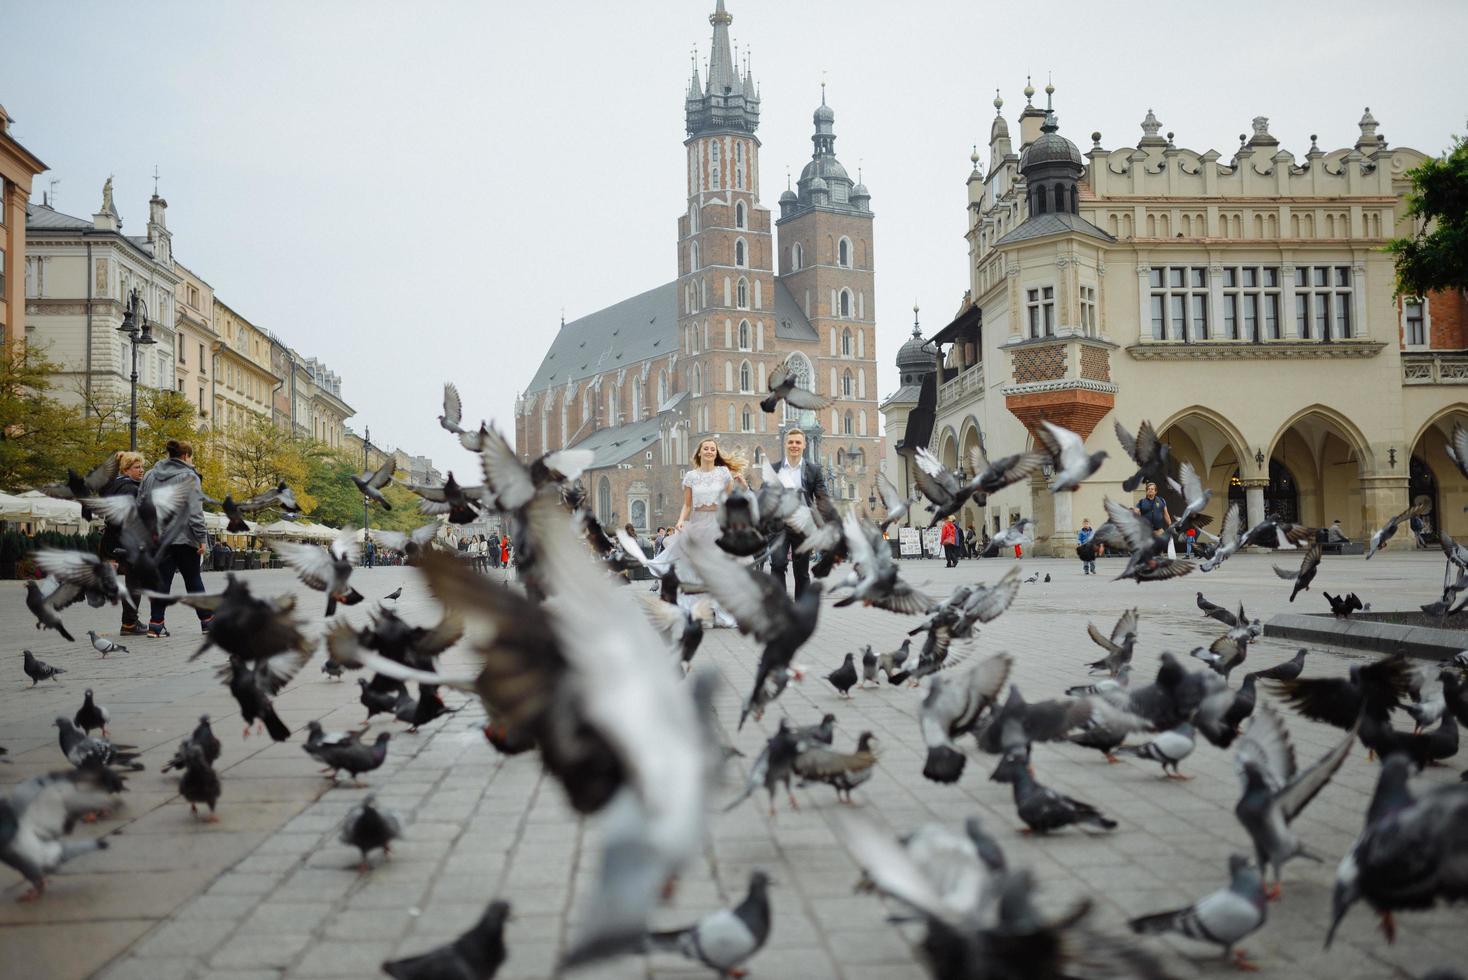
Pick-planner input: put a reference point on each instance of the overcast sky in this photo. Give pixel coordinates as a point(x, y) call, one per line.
point(414, 191)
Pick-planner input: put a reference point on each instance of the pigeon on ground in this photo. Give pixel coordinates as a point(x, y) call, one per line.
point(1228, 540)
point(476, 955)
point(1169, 748)
point(783, 386)
point(1286, 671)
point(39, 670)
point(1341, 606)
point(1214, 611)
point(774, 764)
point(370, 483)
point(91, 715)
point(889, 663)
point(844, 678)
point(44, 599)
point(1427, 692)
point(1032, 579)
point(394, 595)
point(368, 828)
point(1068, 455)
point(932, 658)
point(1422, 747)
point(36, 813)
point(199, 783)
point(1388, 530)
point(1242, 706)
point(1118, 646)
point(428, 707)
point(326, 569)
point(378, 702)
point(354, 757)
point(1410, 852)
point(842, 771)
point(1222, 918)
point(762, 608)
point(954, 707)
point(103, 645)
point(1043, 809)
point(1306, 572)
point(85, 751)
point(1047, 577)
point(869, 666)
point(1151, 455)
point(332, 669)
point(1105, 686)
point(727, 938)
point(1274, 792)
point(202, 736)
point(1227, 652)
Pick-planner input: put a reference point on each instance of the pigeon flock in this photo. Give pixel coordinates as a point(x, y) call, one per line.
point(601, 680)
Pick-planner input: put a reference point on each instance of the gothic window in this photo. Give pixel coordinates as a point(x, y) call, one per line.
point(739, 165)
point(846, 343)
point(759, 455)
point(746, 381)
point(693, 257)
point(840, 457)
point(846, 384)
point(1059, 198)
point(744, 335)
point(611, 406)
point(714, 165)
point(698, 379)
point(636, 401)
point(845, 303)
point(586, 407)
point(662, 388)
point(741, 298)
point(739, 253)
point(739, 215)
point(804, 378)
point(746, 420)
point(843, 253)
point(604, 501)
point(797, 257)
point(846, 423)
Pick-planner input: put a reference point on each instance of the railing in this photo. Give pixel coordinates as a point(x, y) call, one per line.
point(1427, 368)
point(969, 384)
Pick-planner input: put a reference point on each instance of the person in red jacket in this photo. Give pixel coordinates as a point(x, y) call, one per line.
point(948, 537)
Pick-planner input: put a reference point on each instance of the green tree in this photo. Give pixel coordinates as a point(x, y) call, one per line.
point(39, 435)
point(165, 415)
point(339, 503)
point(1436, 257)
point(260, 455)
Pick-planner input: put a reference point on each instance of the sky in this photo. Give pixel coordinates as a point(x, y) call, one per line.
point(414, 193)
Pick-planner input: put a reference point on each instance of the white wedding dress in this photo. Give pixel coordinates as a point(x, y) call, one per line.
point(707, 488)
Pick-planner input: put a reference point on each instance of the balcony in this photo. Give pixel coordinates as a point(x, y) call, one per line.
point(1435, 368)
point(969, 385)
point(1064, 379)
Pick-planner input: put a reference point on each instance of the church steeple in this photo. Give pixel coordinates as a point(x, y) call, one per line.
point(824, 182)
point(730, 101)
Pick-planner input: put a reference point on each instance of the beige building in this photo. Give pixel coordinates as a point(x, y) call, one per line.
point(1243, 304)
point(79, 276)
point(244, 383)
point(17, 167)
point(193, 366)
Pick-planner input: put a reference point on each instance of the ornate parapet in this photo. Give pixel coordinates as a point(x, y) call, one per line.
point(1065, 380)
point(1216, 350)
point(1435, 368)
point(968, 385)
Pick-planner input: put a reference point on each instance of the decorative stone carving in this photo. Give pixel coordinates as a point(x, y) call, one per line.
point(1209, 350)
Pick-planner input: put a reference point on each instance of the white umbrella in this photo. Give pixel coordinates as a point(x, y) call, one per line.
point(49, 508)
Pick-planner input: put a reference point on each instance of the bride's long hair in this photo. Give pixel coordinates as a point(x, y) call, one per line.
point(735, 465)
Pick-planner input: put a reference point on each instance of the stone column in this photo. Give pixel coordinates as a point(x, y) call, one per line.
point(1144, 303)
point(1383, 496)
point(1062, 533)
point(1253, 502)
point(1288, 328)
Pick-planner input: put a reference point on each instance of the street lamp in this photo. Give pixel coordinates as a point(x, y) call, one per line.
point(135, 324)
point(366, 500)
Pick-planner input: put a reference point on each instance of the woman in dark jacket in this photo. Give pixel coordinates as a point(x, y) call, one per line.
point(182, 557)
point(125, 484)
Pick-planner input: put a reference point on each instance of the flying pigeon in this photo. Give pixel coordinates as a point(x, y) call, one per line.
point(370, 483)
point(1151, 455)
point(894, 505)
point(955, 707)
point(1306, 572)
point(1386, 531)
point(453, 410)
point(1118, 646)
point(1341, 606)
point(1228, 540)
point(81, 488)
point(44, 599)
point(1068, 453)
point(784, 386)
point(326, 569)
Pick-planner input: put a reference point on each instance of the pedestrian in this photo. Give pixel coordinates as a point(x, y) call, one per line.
point(1153, 510)
point(184, 554)
point(948, 538)
point(632, 533)
point(1085, 548)
point(1335, 535)
point(971, 541)
point(505, 551)
point(658, 541)
point(797, 473)
point(371, 553)
point(125, 484)
point(1189, 537)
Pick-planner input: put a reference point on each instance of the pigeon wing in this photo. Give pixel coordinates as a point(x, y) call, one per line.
point(805, 399)
point(1266, 745)
point(756, 601)
point(985, 605)
point(453, 407)
point(504, 473)
point(311, 563)
point(1127, 440)
point(1135, 530)
point(1298, 794)
point(1127, 624)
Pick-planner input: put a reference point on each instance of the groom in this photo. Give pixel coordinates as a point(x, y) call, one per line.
point(803, 476)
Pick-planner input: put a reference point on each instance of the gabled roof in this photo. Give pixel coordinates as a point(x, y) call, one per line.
point(638, 329)
point(619, 443)
point(1040, 225)
point(43, 217)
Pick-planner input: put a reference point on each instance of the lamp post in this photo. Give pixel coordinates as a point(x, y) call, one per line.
point(366, 500)
point(135, 324)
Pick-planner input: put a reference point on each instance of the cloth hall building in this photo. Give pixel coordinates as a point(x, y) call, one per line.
point(1241, 302)
point(641, 382)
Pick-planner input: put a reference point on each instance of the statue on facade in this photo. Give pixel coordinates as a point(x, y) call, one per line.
point(107, 206)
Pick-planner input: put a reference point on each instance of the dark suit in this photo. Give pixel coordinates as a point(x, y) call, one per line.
point(813, 493)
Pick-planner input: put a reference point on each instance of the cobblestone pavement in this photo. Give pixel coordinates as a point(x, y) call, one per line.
point(269, 892)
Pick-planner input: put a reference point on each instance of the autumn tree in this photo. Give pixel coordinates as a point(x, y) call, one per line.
point(39, 435)
point(1436, 257)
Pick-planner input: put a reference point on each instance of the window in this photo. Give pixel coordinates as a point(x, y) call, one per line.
point(797, 257)
point(662, 388)
point(746, 420)
point(843, 254)
point(846, 424)
point(1089, 325)
point(739, 214)
point(739, 165)
point(745, 379)
point(1040, 311)
point(1179, 303)
point(739, 255)
point(741, 297)
point(182, 351)
point(693, 257)
point(846, 384)
point(1323, 302)
point(1416, 325)
point(714, 164)
point(759, 456)
point(800, 365)
point(744, 335)
point(846, 343)
point(697, 379)
point(845, 302)
point(1250, 304)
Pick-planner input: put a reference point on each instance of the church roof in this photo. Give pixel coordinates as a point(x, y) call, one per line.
point(1040, 225)
point(621, 442)
point(640, 328)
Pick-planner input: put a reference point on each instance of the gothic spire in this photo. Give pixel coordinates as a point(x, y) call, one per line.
point(722, 74)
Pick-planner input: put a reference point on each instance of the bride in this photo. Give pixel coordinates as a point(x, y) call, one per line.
point(711, 477)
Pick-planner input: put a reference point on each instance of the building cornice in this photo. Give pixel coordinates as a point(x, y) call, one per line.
point(1214, 350)
point(1059, 384)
